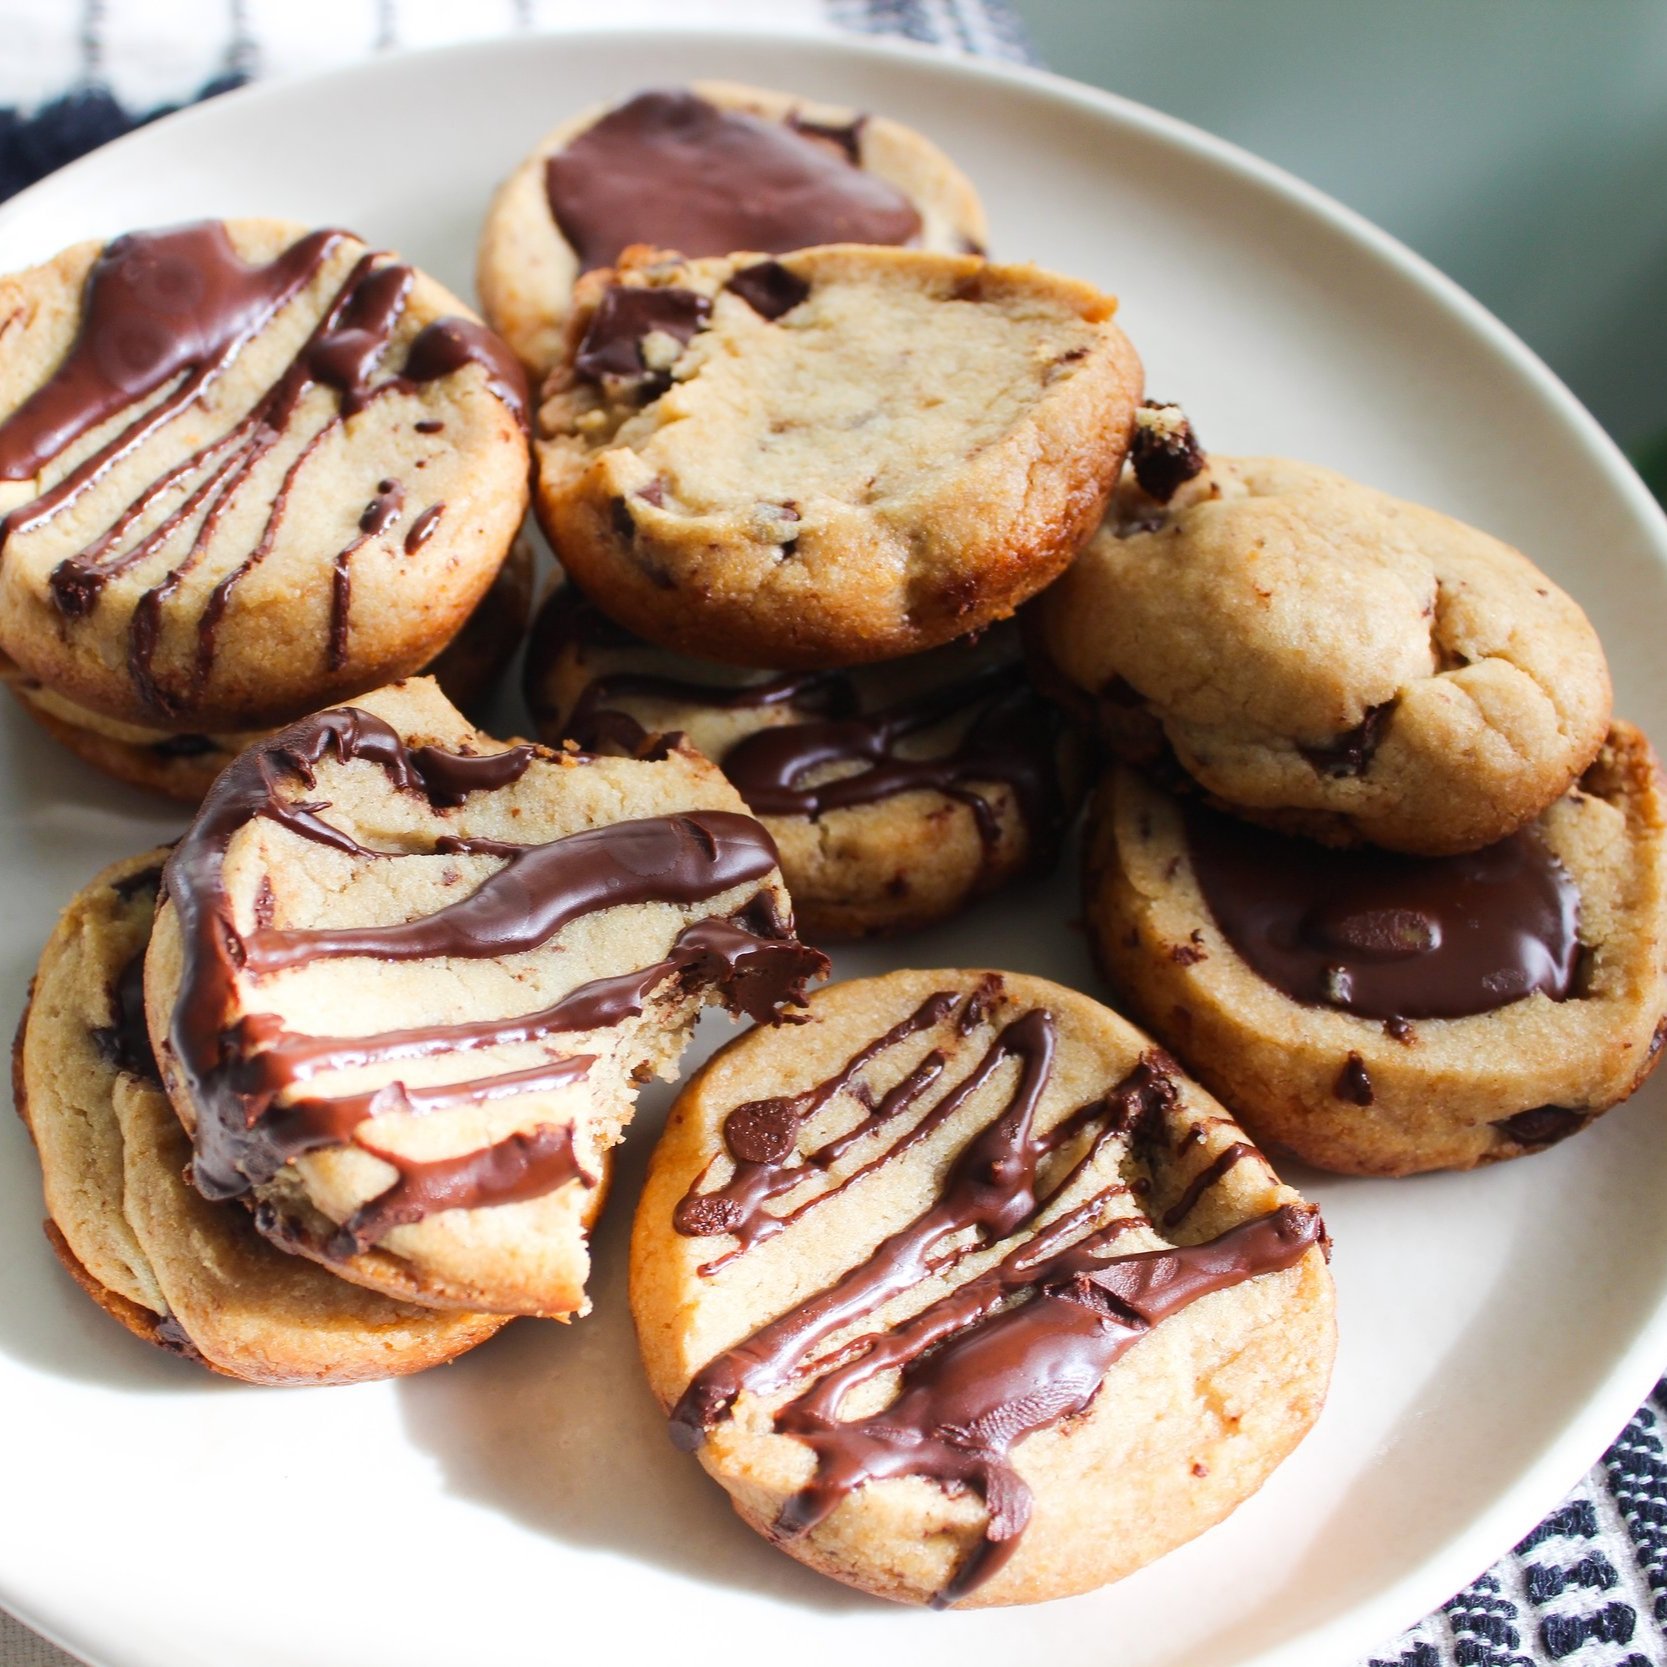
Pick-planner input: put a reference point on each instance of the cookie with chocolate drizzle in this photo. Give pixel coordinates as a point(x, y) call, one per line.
point(707, 169)
point(245, 469)
point(406, 980)
point(191, 1276)
point(1320, 657)
point(182, 765)
point(895, 793)
point(831, 457)
point(1382, 1014)
point(967, 1295)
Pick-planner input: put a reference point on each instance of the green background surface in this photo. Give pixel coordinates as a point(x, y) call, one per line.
point(1520, 145)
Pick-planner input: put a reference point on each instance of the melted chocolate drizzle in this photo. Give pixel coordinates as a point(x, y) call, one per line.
point(177, 306)
point(669, 169)
point(962, 1407)
point(242, 1074)
point(1011, 1351)
point(1011, 739)
point(523, 1165)
point(1388, 936)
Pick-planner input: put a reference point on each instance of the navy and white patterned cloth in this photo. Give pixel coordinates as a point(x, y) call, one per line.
point(1588, 1588)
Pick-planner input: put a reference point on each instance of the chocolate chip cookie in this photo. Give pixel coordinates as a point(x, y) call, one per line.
point(191, 1276)
point(406, 980)
point(245, 469)
point(1327, 659)
point(710, 169)
point(182, 765)
point(895, 793)
point(847, 454)
point(967, 1295)
point(1382, 1014)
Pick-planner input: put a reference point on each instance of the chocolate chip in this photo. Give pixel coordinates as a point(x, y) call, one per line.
point(761, 1132)
point(1353, 1083)
point(183, 746)
point(1189, 954)
point(1542, 1125)
point(613, 340)
point(699, 1218)
point(1351, 752)
point(1164, 452)
point(769, 288)
point(1398, 1030)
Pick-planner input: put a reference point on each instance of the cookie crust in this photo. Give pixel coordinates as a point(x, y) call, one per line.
point(449, 980)
point(183, 767)
point(302, 510)
point(956, 776)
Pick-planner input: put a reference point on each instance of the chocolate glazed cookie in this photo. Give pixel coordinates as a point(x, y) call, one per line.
point(244, 469)
point(839, 456)
point(188, 1275)
point(894, 793)
point(706, 170)
point(407, 979)
point(183, 765)
point(968, 1296)
point(1380, 1014)
point(1320, 657)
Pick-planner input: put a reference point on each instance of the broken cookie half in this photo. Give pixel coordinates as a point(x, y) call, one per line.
point(406, 979)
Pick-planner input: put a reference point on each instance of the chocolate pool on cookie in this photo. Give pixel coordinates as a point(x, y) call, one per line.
point(707, 170)
point(1384, 1014)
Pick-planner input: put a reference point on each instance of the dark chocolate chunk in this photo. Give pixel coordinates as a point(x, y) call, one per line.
point(1542, 1125)
point(612, 344)
point(769, 288)
point(1350, 754)
point(1165, 455)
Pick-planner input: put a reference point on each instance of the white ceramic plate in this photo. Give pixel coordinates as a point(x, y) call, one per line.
point(525, 1505)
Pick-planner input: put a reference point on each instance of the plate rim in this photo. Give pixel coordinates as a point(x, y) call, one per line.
point(1633, 1373)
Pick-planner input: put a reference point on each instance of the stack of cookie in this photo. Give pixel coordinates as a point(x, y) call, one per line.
point(1378, 863)
point(843, 465)
point(890, 1269)
point(245, 470)
point(392, 992)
